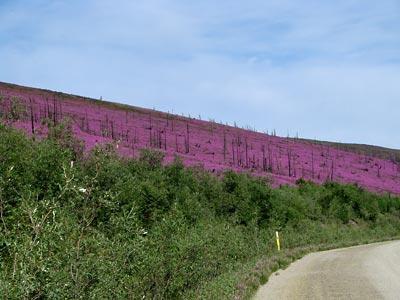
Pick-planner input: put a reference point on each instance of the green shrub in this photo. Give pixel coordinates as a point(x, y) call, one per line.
point(108, 227)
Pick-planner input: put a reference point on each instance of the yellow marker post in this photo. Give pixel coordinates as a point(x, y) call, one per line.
point(278, 244)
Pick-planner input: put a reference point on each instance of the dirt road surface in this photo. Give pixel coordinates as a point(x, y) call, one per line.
point(362, 272)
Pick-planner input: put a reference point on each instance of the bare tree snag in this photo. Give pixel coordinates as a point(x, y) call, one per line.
point(32, 118)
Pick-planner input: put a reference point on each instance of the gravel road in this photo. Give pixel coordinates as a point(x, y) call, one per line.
point(362, 272)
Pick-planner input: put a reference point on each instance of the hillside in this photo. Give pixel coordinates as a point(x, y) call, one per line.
point(215, 146)
point(369, 150)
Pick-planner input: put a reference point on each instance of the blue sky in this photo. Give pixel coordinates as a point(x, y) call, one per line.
point(325, 69)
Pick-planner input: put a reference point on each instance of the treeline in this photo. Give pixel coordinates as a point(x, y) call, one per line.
point(98, 226)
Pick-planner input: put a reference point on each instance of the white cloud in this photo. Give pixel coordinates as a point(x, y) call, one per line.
point(324, 69)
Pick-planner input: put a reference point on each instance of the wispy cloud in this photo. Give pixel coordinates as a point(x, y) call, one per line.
point(324, 69)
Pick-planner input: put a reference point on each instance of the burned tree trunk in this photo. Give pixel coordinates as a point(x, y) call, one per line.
point(187, 138)
point(289, 154)
point(224, 145)
point(233, 152)
point(264, 164)
point(312, 163)
point(247, 156)
point(32, 117)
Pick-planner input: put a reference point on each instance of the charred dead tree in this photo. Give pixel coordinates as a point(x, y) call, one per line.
point(125, 137)
point(1, 103)
point(233, 152)
point(264, 159)
point(106, 127)
point(135, 138)
point(32, 117)
point(60, 111)
point(150, 132)
point(154, 141)
point(270, 164)
point(48, 114)
point(312, 162)
point(187, 140)
point(238, 152)
point(87, 123)
point(167, 118)
point(289, 158)
point(165, 138)
point(159, 137)
point(55, 119)
point(224, 145)
point(133, 147)
point(294, 166)
point(247, 155)
point(112, 130)
point(278, 165)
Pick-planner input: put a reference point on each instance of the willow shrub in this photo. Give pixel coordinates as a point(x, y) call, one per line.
point(111, 227)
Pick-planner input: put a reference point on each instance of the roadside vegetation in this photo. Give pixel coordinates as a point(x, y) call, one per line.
point(98, 226)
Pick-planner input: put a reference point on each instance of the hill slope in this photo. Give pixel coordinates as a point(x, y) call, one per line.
point(215, 146)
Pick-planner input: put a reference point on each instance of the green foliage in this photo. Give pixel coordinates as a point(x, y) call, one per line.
point(151, 159)
point(109, 227)
point(62, 135)
point(17, 110)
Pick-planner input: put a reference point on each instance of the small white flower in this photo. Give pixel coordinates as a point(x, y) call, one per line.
point(83, 190)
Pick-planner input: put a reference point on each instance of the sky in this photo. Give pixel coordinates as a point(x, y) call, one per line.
point(328, 70)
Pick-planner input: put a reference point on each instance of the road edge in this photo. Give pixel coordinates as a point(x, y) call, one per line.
point(268, 265)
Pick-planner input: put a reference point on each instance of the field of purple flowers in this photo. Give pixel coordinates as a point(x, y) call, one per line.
point(214, 146)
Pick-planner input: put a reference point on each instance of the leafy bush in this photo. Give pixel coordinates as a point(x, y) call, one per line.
point(109, 227)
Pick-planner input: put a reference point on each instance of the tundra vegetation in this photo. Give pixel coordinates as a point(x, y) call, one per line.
point(97, 225)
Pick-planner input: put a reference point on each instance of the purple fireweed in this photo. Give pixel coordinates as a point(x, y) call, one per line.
point(215, 147)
